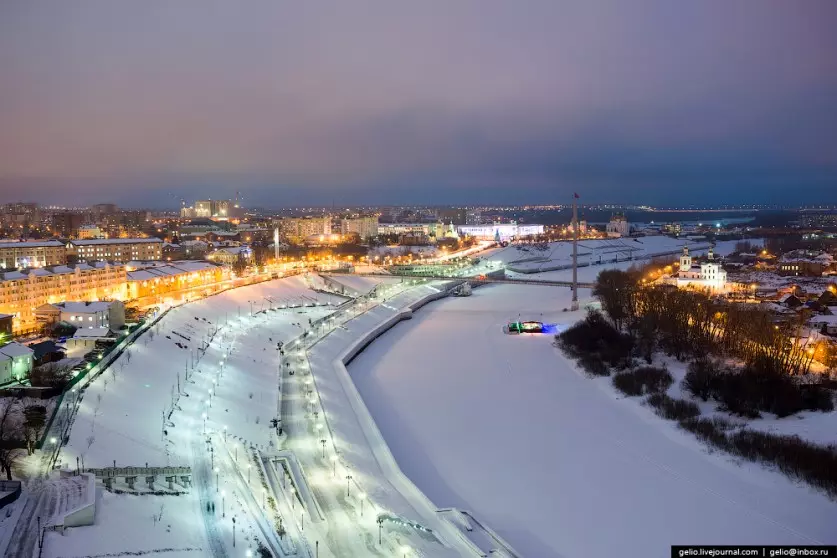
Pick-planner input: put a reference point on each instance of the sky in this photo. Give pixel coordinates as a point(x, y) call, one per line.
point(149, 103)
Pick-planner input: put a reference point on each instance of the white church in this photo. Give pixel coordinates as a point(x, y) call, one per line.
point(707, 275)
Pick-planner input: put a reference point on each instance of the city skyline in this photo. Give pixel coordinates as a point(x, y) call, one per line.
point(313, 105)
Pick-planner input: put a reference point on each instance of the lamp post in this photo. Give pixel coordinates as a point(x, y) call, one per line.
point(380, 529)
point(334, 462)
point(361, 497)
point(217, 470)
point(249, 467)
point(323, 442)
point(348, 483)
point(223, 503)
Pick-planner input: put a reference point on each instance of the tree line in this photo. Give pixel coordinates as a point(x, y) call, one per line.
point(692, 324)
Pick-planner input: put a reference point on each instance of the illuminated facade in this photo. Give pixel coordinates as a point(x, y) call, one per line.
point(32, 254)
point(364, 227)
point(502, 231)
point(21, 292)
point(707, 275)
point(297, 229)
point(116, 249)
point(160, 280)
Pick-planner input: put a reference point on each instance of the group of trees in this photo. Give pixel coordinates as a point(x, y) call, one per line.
point(686, 323)
point(21, 423)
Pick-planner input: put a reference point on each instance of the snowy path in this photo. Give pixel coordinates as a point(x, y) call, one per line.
point(348, 452)
point(45, 500)
point(584, 473)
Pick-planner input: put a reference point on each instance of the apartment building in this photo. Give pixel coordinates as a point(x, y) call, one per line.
point(21, 292)
point(36, 253)
point(116, 249)
point(297, 229)
point(364, 227)
point(162, 279)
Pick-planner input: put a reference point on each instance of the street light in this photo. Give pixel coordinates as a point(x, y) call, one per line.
point(348, 483)
point(217, 470)
point(223, 503)
point(334, 461)
point(405, 550)
point(361, 496)
point(323, 442)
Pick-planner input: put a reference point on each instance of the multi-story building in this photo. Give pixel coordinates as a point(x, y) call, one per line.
point(19, 215)
point(453, 216)
point(102, 313)
point(21, 292)
point(364, 227)
point(427, 229)
point(116, 249)
point(67, 223)
point(89, 231)
point(125, 223)
point(500, 231)
point(473, 217)
point(209, 209)
point(36, 253)
point(159, 280)
point(806, 264)
point(230, 255)
point(297, 229)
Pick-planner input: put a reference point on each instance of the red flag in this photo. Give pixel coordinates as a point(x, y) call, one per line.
point(575, 195)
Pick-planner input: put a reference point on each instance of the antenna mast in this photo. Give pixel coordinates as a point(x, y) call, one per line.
point(574, 305)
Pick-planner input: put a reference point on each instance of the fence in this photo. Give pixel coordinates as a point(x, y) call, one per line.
point(13, 489)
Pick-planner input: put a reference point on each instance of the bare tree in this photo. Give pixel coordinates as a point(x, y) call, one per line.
point(10, 433)
point(34, 421)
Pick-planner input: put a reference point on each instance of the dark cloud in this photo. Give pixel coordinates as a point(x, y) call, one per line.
point(490, 101)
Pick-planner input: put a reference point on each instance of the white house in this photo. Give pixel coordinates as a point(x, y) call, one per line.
point(707, 275)
point(110, 314)
point(16, 362)
point(85, 339)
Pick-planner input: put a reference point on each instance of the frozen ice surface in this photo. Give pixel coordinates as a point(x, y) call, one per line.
point(555, 462)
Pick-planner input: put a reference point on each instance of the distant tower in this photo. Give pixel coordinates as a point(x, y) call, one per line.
point(685, 259)
point(276, 244)
point(574, 305)
point(711, 254)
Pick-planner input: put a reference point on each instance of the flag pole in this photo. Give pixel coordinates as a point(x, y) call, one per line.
point(574, 305)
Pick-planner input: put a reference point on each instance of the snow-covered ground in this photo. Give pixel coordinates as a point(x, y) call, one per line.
point(128, 523)
point(122, 410)
point(607, 251)
point(359, 285)
point(557, 463)
point(120, 418)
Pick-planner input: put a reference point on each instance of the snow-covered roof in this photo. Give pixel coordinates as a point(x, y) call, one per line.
point(31, 244)
point(93, 332)
point(84, 307)
point(61, 269)
point(15, 350)
point(170, 270)
point(141, 275)
point(824, 319)
point(103, 241)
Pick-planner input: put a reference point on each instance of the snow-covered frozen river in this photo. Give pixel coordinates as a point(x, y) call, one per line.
point(505, 427)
